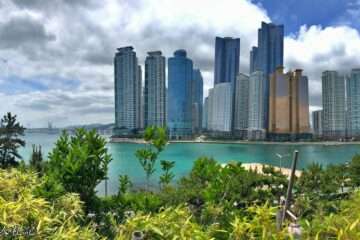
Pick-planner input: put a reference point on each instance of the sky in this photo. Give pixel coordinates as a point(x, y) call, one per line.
point(56, 57)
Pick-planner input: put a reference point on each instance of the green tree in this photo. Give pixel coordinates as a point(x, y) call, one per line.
point(36, 160)
point(124, 184)
point(156, 140)
point(354, 171)
point(11, 132)
point(310, 181)
point(79, 163)
point(168, 176)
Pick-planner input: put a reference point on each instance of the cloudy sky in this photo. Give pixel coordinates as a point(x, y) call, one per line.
point(56, 55)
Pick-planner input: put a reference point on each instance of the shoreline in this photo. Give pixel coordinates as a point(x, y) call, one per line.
point(243, 142)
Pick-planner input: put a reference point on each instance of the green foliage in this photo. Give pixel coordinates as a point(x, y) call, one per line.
point(36, 160)
point(171, 223)
point(26, 213)
point(124, 184)
point(79, 163)
point(10, 140)
point(259, 223)
point(354, 172)
point(344, 225)
point(231, 185)
point(168, 176)
point(156, 140)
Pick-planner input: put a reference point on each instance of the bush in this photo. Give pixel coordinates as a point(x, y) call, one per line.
point(24, 215)
point(79, 163)
point(171, 223)
point(344, 225)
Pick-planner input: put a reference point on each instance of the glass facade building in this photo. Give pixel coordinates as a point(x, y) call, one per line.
point(256, 118)
point(317, 123)
point(353, 103)
point(227, 57)
point(220, 108)
point(333, 100)
point(241, 105)
point(127, 75)
point(155, 90)
point(197, 100)
point(268, 55)
point(179, 114)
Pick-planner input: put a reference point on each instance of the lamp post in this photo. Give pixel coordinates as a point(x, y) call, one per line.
point(280, 158)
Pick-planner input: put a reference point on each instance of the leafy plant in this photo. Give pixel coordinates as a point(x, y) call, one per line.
point(79, 163)
point(258, 224)
point(10, 140)
point(168, 176)
point(170, 223)
point(124, 184)
point(354, 171)
point(344, 225)
point(156, 140)
point(23, 215)
point(36, 160)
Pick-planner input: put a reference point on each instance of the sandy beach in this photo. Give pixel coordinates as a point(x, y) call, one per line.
point(258, 167)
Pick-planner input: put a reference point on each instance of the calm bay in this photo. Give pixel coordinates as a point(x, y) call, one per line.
point(184, 154)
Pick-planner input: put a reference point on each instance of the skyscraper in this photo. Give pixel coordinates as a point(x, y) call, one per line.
point(205, 113)
point(227, 53)
point(333, 100)
point(197, 100)
point(317, 123)
point(210, 106)
point(353, 103)
point(256, 122)
point(227, 58)
point(289, 105)
point(254, 60)
point(220, 108)
point(241, 105)
point(268, 55)
point(127, 75)
point(155, 90)
point(180, 75)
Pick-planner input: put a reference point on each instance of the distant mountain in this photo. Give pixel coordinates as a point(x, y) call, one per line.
point(97, 126)
point(102, 128)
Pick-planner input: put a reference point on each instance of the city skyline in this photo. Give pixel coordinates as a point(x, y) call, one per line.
point(61, 72)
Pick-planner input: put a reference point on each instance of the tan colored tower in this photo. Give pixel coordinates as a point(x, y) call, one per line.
point(288, 103)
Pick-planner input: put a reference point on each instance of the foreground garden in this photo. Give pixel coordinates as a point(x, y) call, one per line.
point(56, 199)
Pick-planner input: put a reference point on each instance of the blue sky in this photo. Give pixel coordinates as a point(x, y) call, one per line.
point(295, 13)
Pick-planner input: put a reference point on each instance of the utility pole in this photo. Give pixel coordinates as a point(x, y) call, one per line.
point(284, 209)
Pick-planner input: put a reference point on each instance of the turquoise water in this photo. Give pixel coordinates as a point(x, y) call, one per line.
point(184, 154)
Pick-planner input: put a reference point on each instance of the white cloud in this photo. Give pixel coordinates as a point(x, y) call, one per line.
point(84, 38)
point(316, 49)
point(79, 39)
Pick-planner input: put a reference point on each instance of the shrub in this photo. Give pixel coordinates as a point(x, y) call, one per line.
point(24, 215)
point(171, 223)
point(79, 163)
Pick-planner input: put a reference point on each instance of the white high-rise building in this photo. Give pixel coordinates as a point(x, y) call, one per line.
point(155, 90)
point(353, 103)
point(333, 100)
point(220, 107)
point(241, 105)
point(257, 101)
point(127, 91)
point(317, 123)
